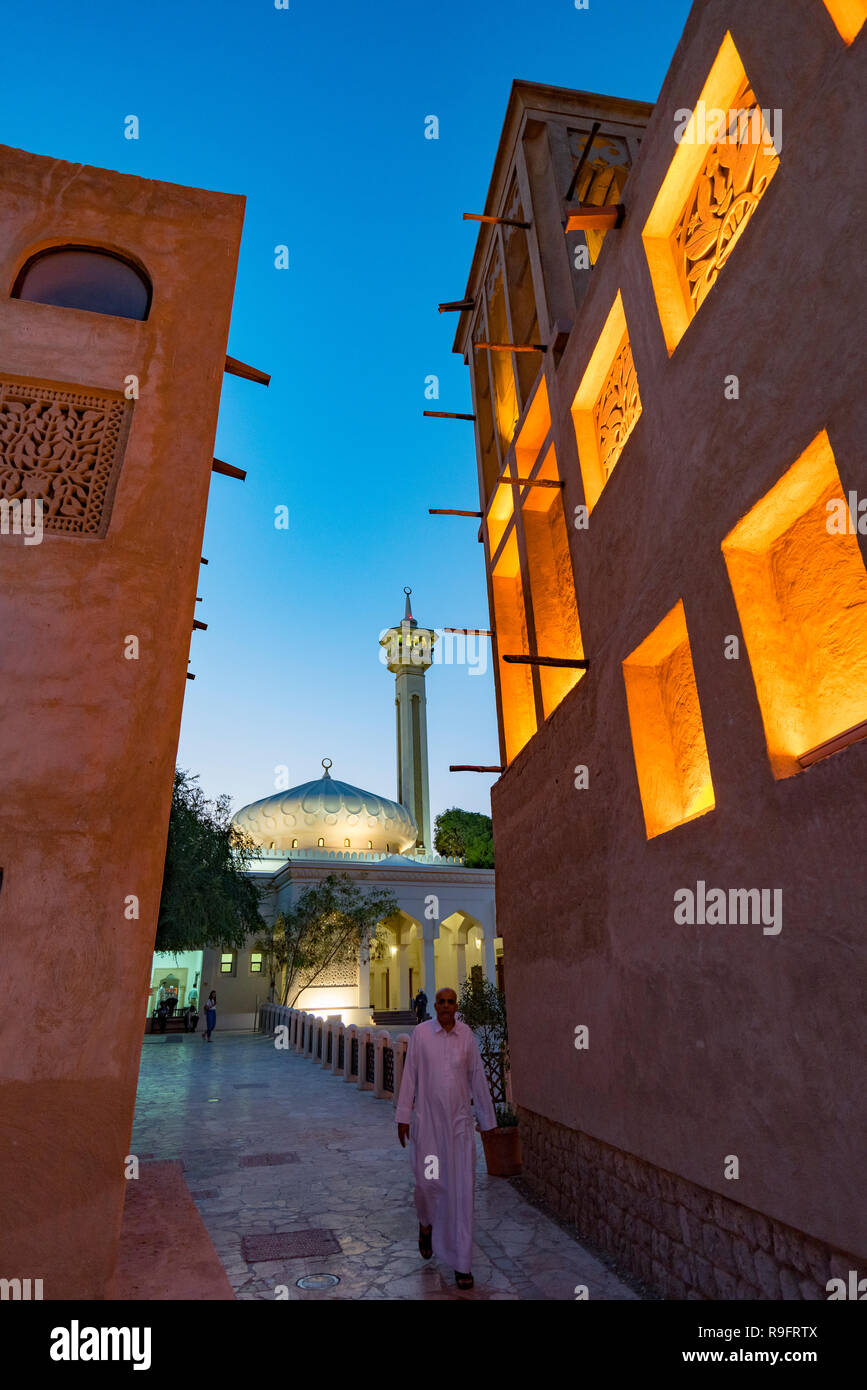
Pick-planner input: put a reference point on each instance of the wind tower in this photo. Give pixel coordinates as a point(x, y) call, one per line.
point(409, 651)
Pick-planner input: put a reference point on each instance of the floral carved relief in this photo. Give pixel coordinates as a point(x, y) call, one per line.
point(65, 448)
point(617, 408)
point(733, 178)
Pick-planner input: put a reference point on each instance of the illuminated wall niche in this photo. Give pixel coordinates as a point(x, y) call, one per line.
point(602, 178)
point(848, 15)
point(722, 168)
point(667, 732)
point(606, 405)
point(510, 622)
point(801, 595)
point(552, 584)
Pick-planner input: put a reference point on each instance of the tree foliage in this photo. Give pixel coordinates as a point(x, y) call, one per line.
point(483, 1009)
point(329, 924)
point(469, 834)
point(207, 898)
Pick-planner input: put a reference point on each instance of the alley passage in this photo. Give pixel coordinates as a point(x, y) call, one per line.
point(238, 1098)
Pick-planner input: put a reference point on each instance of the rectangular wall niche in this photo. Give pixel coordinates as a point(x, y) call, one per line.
point(848, 15)
point(552, 585)
point(606, 405)
point(667, 731)
point(723, 165)
point(510, 623)
point(801, 592)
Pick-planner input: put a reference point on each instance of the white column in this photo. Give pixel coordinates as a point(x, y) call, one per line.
point(430, 983)
point(402, 976)
point(461, 951)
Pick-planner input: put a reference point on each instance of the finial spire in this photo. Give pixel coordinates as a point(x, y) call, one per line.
point(327, 763)
point(408, 613)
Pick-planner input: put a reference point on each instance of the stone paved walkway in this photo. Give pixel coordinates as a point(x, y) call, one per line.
point(213, 1104)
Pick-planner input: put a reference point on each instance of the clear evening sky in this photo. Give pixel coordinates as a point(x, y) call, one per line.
point(317, 114)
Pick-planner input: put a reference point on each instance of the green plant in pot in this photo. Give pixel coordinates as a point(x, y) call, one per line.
point(483, 1008)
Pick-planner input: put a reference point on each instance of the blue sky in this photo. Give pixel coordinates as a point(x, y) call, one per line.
point(316, 114)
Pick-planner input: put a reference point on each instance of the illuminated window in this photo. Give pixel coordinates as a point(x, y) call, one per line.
point(85, 277)
point(294, 844)
point(370, 844)
point(321, 843)
point(227, 963)
point(667, 732)
point(346, 844)
point(801, 592)
point(606, 405)
point(848, 15)
point(724, 162)
point(516, 681)
point(255, 962)
point(552, 585)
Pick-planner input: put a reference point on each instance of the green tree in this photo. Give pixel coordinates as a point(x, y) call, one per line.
point(207, 897)
point(328, 925)
point(469, 834)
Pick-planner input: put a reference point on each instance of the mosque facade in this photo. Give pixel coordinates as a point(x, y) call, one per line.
point(445, 928)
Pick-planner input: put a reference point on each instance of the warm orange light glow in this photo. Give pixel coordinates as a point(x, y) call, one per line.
point(711, 190)
point(801, 594)
point(499, 514)
point(606, 405)
point(506, 409)
point(552, 585)
point(516, 682)
point(667, 731)
point(534, 430)
point(848, 15)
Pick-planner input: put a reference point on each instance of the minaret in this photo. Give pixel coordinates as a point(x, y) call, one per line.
point(410, 653)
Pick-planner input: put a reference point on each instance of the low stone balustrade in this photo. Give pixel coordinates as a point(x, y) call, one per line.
point(369, 1058)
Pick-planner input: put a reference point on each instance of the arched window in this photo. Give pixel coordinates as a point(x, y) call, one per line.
point(85, 277)
point(294, 844)
point(321, 843)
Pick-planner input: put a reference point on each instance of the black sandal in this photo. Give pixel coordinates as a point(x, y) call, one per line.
point(425, 1246)
point(463, 1281)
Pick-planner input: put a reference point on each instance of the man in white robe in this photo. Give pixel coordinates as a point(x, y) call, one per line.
point(442, 1073)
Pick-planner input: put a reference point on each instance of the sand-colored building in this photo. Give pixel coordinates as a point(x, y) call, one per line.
point(115, 300)
point(671, 473)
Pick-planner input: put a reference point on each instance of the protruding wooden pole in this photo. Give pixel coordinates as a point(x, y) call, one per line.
point(512, 347)
point(199, 627)
point(590, 219)
point(496, 221)
point(228, 469)
point(581, 664)
point(451, 511)
point(446, 415)
point(473, 767)
point(237, 368)
point(531, 482)
point(456, 306)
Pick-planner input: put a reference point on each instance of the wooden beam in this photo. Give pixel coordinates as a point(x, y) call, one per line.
point(512, 347)
point(471, 631)
point(580, 665)
point(456, 305)
point(190, 676)
point(833, 745)
point(531, 482)
point(495, 221)
point(473, 767)
point(199, 627)
point(203, 560)
point(451, 511)
point(590, 219)
point(237, 368)
point(570, 191)
point(446, 415)
point(228, 469)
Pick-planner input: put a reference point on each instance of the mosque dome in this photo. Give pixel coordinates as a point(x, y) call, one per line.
point(328, 815)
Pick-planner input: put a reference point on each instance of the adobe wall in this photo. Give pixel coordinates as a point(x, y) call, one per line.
point(88, 738)
point(705, 1041)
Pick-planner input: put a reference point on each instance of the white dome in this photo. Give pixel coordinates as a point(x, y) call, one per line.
point(333, 812)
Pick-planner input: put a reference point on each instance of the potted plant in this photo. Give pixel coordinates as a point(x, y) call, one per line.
point(483, 1008)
